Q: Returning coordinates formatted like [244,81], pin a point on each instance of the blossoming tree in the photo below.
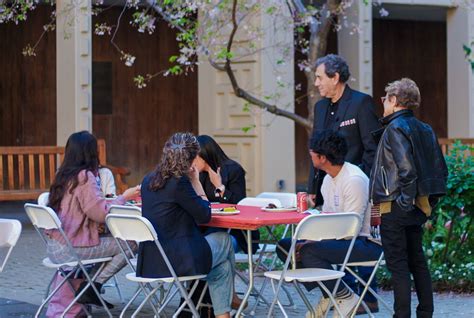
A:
[222,33]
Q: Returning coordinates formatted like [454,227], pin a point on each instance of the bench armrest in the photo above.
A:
[119,174]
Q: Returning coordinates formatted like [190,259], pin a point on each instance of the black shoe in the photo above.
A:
[89,297]
[373,306]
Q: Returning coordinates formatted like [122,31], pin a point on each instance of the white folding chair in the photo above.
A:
[139,229]
[43,199]
[287,199]
[125,210]
[44,218]
[257,202]
[257,259]
[10,231]
[260,202]
[316,228]
[375,221]
[375,264]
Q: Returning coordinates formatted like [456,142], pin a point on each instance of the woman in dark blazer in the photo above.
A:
[175,203]
[223,181]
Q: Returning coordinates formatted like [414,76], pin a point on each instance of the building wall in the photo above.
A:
[266,151]
[135,122]
[417,50]
[28,84]
[141,120]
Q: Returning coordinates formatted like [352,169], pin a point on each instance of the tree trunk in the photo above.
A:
[317,48]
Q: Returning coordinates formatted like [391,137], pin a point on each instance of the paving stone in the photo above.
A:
[23,283]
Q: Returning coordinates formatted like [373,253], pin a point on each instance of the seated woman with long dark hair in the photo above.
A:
[80,204]
[223,181]
[175,203]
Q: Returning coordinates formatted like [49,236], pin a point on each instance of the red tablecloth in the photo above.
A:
[252,218]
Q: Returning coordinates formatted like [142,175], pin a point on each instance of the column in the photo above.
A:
[73,67]
[356,47]
[460,31]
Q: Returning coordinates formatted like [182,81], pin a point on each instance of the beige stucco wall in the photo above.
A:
[74,68]
[460,31]
[266,151]
[356,47]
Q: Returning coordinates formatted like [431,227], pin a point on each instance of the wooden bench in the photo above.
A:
[446,143]
[26,172]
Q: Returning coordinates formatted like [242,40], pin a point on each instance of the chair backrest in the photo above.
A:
[260,202]
[328,226]
[287,200]
[125,210]
[43,199]
[130,228]
[10,231]
[42,217]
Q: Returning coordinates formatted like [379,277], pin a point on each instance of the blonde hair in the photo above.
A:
[178,154]
[406,91]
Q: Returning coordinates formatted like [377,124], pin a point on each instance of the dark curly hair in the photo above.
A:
[178,154]
[330,144]
[80,154]
[334,64]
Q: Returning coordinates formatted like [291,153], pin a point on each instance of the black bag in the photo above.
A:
[206,310]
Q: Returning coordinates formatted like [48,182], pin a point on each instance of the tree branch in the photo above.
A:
[241,93]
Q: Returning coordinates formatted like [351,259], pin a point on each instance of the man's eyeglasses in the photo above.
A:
[383,98]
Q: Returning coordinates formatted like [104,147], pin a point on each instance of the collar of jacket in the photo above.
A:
[387,119]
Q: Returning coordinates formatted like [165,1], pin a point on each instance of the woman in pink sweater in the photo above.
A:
[80,204]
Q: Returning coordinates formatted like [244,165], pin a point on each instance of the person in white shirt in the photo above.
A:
[345,188]
[106,181]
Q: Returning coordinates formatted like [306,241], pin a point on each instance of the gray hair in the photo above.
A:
[406,91]
[335,64]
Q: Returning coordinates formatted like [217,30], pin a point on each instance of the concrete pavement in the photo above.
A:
[24,280]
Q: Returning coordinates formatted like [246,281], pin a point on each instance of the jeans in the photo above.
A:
[324,254]
[221,276]
[235,244]
[402,234]
[364,272]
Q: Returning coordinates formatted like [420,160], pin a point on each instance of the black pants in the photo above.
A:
[402,244]
[324,253]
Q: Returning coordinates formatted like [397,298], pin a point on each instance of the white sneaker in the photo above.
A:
[346,305]
[320,308]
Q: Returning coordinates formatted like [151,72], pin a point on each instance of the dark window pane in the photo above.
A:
[102,88]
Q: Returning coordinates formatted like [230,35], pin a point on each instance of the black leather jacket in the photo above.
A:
[408,162]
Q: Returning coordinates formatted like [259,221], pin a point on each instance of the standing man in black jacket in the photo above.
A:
[408,175]
[352,114]
[345,110]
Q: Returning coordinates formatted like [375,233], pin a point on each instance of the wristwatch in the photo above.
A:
[219,190]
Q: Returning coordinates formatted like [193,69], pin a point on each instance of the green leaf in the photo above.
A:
[467,50]
[248,128]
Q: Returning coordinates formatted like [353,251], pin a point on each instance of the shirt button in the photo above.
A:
[332,113]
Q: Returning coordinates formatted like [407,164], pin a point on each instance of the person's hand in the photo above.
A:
[312,200]
[132,193]
[193,174]
[215,177]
